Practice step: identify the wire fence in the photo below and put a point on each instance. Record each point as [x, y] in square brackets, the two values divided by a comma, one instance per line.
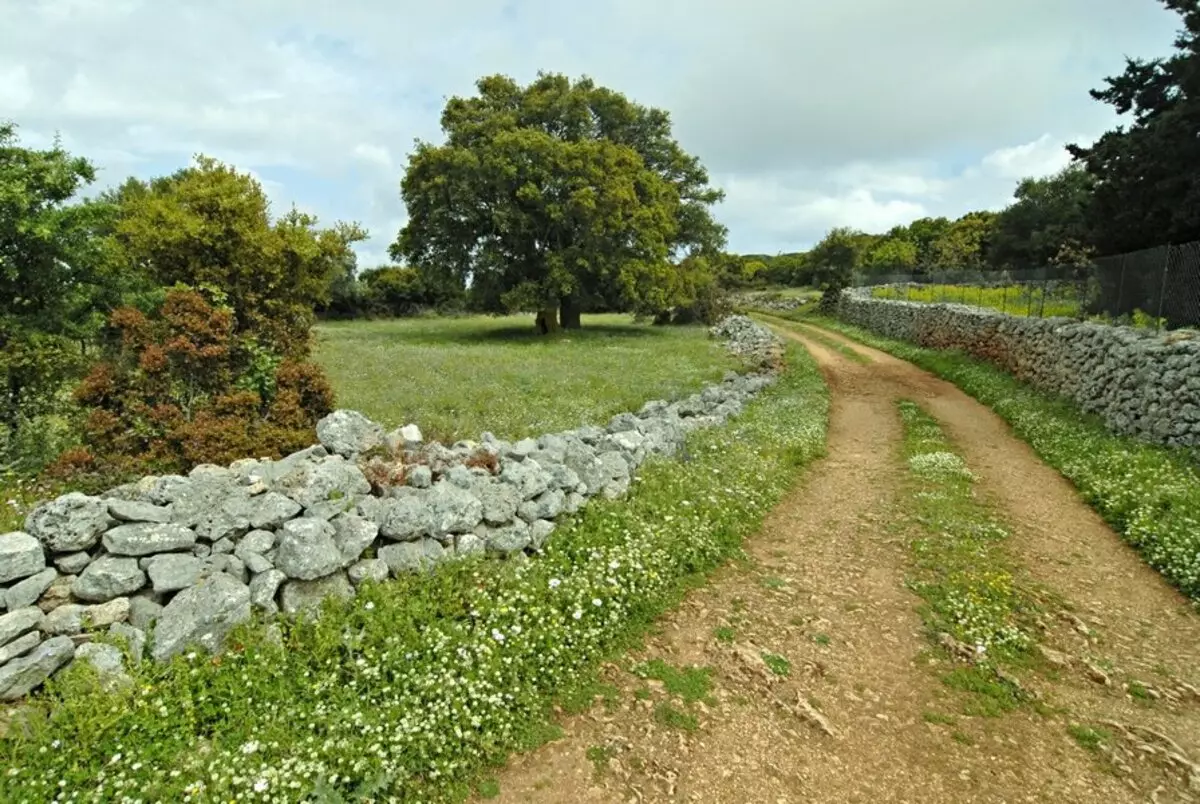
[1156, 287]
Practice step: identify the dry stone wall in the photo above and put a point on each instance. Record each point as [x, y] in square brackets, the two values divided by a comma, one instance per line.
[1141, 383]
[190, 558]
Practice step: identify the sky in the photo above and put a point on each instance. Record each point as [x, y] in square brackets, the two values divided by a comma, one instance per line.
[808, 113]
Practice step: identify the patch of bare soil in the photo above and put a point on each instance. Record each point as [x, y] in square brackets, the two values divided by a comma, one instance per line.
[824, 687]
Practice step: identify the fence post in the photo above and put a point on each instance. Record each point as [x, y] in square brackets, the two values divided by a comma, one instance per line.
[1042, 306]
[1003, 296]
[1162, 290]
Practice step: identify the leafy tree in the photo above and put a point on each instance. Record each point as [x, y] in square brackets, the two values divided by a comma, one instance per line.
[210, 226]
[1046, 214]
[1147, 175]
[892, 253]
[834, 260]
[963, 245]
[924, 234]
[57, 276]
[555, 197]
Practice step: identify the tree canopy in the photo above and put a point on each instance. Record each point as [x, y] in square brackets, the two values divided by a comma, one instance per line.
[561, 194]
[209, 226]
[1147, 174]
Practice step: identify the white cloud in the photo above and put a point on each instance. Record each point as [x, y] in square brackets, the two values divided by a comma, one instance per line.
[1042, 157]
[809, 113]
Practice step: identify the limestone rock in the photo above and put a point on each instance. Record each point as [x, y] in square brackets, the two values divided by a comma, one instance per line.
[352, 535]
[72, 522]
[203, 614]
[28, 591]
[21, 555]
[130, 511]
[23, 675]
[307, 549]
[263, 589]
[348, 433]
[305, 597]
[368, 569]
[108, 577]
[173, 571]
[72, 563]
[412, 556]
[16, 623]
[148, 538]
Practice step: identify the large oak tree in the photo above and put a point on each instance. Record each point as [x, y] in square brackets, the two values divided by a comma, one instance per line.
[556, 197]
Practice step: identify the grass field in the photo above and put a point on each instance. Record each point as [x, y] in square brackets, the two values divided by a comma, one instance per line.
[1023, 300]
[457, 377]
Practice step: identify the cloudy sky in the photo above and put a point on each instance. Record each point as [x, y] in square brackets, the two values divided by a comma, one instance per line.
[809, 113]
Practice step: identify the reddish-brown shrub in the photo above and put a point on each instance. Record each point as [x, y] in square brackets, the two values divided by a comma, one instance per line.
[172, 392]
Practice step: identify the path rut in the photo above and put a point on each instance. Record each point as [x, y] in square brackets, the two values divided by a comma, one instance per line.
[824, 588]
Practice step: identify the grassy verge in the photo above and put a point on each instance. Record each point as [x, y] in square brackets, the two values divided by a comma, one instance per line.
[416, 687]
[1148, 494]
[457, 377]
[1022, 300]
[961, 569]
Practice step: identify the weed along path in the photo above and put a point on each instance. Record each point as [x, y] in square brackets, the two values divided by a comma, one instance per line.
[932, 616]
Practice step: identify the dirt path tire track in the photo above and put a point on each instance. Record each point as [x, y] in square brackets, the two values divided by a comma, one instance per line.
[826, 591]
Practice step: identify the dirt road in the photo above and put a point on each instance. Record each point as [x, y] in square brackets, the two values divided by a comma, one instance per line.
[860, 713]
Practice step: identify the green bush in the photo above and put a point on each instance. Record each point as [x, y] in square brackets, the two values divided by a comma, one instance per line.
[416, 686]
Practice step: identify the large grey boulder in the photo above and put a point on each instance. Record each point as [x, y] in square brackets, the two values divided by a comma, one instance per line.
[108, 577]
[305, 597]
[66, 620]
[21, 621]
[214, 505]
[144, 612]
[546, 506]
[271, 510]
[173, 571]
[582, 460]
[23, 675]
[263, 589]
[103, 615]
[412, 556]
[368, 569]
[307, 549]
[509, 539]
[352, 535]
[21, 555]
[72, 563]
[148, 538]
[499, 501]
[256, 541]
[527, 476]
[132, 511]
[539, 532]
[326, 480]
[27, 592]
[348, 433]
[405, 515]
[69, 523]
[19, 646]
[203, 615]
[452, 509]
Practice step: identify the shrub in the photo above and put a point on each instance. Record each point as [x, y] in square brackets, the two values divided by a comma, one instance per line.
[180, 387]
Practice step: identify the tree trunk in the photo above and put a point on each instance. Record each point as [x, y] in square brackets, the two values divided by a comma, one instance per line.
[569, 313]
[547, 320]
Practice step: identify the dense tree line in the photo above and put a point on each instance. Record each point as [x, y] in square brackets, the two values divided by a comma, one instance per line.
[1137, 187]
